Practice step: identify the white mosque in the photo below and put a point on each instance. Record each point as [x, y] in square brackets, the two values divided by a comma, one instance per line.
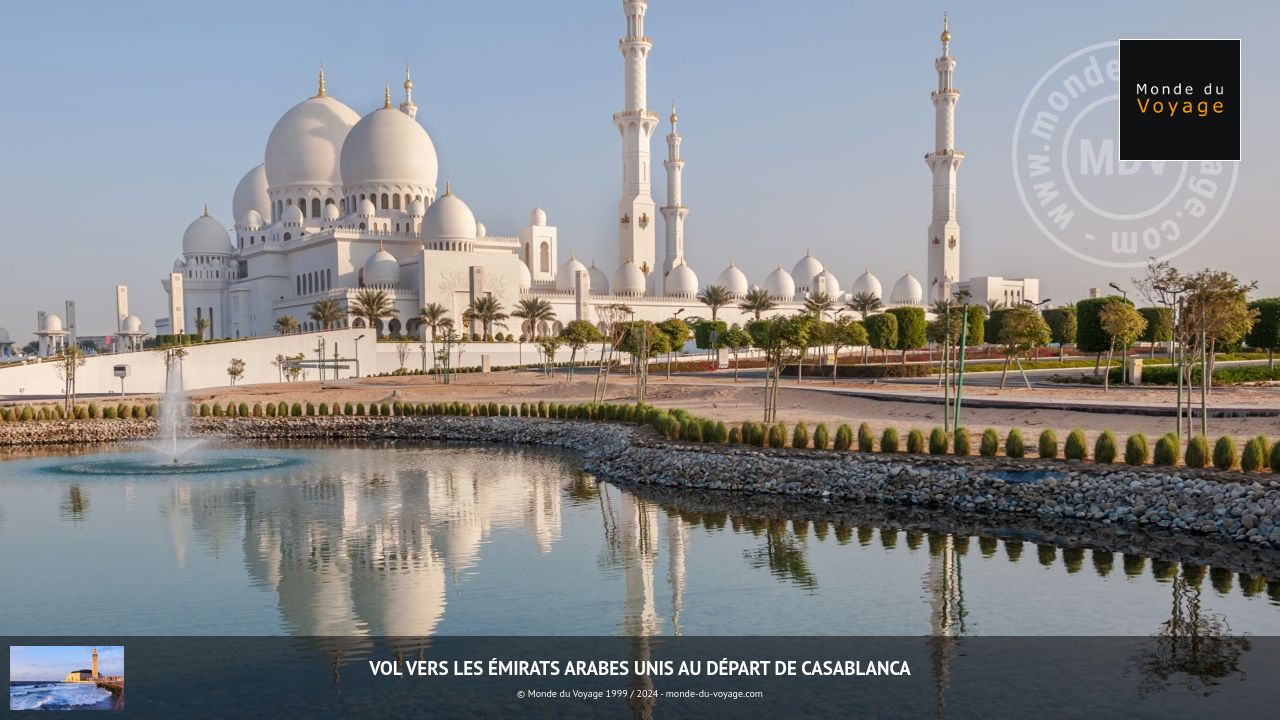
[343, 202]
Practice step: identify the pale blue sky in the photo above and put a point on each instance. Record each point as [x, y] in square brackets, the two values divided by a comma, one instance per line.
[804, 126]
[53, 662]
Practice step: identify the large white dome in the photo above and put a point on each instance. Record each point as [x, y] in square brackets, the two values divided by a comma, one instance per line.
[251, 194]
[733, 280]
[133, 324]
[907, 291]
[449, 218]
[381, 269]
[628, 280]
[568, 274]
[206, 236]
[805, 270]
[305, 145]
[868, 283]
[4, 335]
[526, 277]
[599, 281]
[389, 148]
[52, 324]
[833, 284]
[779, 285]
[682, 282]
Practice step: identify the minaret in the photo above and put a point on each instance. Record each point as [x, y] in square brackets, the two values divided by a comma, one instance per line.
[674, 212]
[636, 222]
[407, 107]
[944, 161]
[95, 664]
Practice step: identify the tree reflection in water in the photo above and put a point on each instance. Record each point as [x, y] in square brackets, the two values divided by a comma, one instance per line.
[1193, 648]
[76, 506]
[784, 554]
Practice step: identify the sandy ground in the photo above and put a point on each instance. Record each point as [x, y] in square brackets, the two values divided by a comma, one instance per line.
[812, 401]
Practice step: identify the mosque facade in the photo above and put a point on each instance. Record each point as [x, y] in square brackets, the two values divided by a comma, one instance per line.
[344, 203]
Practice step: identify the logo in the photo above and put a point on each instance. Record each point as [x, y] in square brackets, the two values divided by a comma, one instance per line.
[1072, 182]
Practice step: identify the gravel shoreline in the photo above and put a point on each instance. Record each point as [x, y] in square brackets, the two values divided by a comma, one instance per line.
[1231, 508]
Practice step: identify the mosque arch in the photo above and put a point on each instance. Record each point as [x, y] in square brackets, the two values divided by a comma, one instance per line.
[288, 237]
[386, 202]
[395, 201]
[358, 323]
[544, 257]
[315, 207]
[393, 327]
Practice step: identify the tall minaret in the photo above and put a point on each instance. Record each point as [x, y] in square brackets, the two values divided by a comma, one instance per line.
[636, 221]
[674, 212]
[944, 161]
[407, 107]
[95, 663]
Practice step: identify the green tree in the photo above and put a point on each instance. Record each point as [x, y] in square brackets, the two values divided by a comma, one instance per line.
[1159, 326]
[677, 332]
[736, 340]
[780, 338]
[882, 332]
[1265, 333]
[326, 313]
[845, 332]
[1122, 323]
[68, 363]
[202, 327]
[1062, 326]
[912, 329]
[577, 335]
[864, 303]
[1022, 332]
[757, 302]
[374, 306]
[235, 370]
[286, 324]
[714, 297]
[488, 312]
[1090, 337]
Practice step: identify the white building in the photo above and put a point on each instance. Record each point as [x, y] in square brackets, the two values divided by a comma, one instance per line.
[344, 202]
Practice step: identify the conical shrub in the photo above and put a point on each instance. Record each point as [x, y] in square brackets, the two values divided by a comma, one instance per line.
[915, 442]
[844, 438]
[889, 441]
[1166, 452]
[1197, 452]
[1047, 447]
[778, 436]
[1075, 448]
[1104, 449]
[1254, 457]
[866, 439]
[800, 436]
[938, 441]
[961, 443]
[1224, 453]
[821, 437]
[1136, 450]
[1014, 446]
[989, 446]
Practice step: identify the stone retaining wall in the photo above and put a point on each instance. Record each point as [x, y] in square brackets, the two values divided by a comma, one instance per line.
[1225, 507]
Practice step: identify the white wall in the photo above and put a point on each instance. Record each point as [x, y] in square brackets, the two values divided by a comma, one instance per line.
[500, 355]
[204, 367]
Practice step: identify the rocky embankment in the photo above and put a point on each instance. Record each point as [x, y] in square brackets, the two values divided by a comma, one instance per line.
[1223, 506]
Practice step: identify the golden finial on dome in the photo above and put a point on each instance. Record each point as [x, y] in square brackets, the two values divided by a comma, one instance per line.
[386, 96]
[320, 92]
[946, 33]
[408, 81]
[674, 118]
[448, 187]
[206, 210]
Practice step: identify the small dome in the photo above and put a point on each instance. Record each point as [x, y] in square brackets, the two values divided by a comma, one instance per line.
[305, 144]
[628, 280]
[868, 283]
[251, 220]
[381, 269]
[367, 208]
[481, 230]
[526, 277]
[780, 285]
[833, 285]
[417, 208]
[387, 147]
[449, 218]
[733, 280]
[292, 215]
[805, 270]
[907, 291]
[682, 282]
[52, 324]
[206, 236]
[251, 194]
[538, 217]
[599, 281]
[331, 212]
[179, 264]
[133, 324]
[568, 274]
[4, 335]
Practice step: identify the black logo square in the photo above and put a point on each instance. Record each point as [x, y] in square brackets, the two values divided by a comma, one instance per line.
[1180, 100]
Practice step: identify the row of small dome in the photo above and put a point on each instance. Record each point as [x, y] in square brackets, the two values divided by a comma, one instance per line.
[781, 285]
[52, 325]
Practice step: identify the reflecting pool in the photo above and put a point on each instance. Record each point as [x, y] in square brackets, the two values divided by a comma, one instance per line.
[410, 540]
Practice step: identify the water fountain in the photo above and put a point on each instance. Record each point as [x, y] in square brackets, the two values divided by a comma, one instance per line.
[173, 445]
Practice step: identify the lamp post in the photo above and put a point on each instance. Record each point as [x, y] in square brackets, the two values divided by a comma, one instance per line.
[358, 339]
[1176, 360]
[1124, 351]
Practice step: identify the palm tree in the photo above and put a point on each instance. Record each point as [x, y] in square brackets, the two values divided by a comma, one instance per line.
[373, 306]
[994, 304]
[818, 305]
[326, 312]
[432, 317]
[533, 312]
[488, 312]
[714, 297]
[864, 302]
[286, 324]
[202, 327]
[757, 302]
